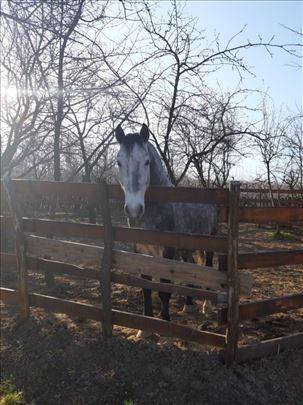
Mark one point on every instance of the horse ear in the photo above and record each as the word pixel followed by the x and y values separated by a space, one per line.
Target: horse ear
pixel 119 134
pixel 144 132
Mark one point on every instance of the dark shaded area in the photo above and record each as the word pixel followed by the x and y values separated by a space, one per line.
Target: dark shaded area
pixel 55 359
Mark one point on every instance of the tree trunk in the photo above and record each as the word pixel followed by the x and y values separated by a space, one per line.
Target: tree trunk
pixel 278 230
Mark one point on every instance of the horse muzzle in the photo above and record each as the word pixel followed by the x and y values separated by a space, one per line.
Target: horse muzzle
pixel 135 212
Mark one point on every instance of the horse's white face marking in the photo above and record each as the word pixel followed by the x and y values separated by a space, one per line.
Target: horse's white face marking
pixel 134 170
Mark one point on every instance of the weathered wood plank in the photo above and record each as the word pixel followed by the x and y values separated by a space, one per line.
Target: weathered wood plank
pixel 166 328
pixel 187 195
pixel 223 214
pixel 8 260
pixel 270 258
pixel 57 228
pixel 6 223
pixel 124 234
pixel 267 191
pixel 233 278
pixel 86 311
pixel 272 214
pixel 9 296
pixel 173 239
pixel 41 265
pixel 178 240
pixel 269 347
pixel 266 307
pixel 136 264
pixel 119 318
pixel 72 308
pixel 265 258
pixel 20 248
pixel 89 190
pixel 127 279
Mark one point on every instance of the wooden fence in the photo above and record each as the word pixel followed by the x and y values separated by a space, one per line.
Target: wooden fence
pixel 223 285
pixel 259 197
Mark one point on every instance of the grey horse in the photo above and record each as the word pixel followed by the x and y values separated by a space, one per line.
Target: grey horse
pixel 140 166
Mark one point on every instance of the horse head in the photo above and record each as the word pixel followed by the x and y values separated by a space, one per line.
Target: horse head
pixel 134 170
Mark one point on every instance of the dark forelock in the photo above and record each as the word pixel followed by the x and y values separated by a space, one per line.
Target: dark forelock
pixel 131 139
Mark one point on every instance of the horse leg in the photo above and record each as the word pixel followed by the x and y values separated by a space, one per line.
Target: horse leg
pixel 203 258
pixel 209 259
pixel 147 297
pixel 164 297
pixel 168 253
pixel 147 309
pixel 207 306
pixel 189 303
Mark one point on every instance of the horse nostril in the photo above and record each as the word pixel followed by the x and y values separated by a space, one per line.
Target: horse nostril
pixel 126 210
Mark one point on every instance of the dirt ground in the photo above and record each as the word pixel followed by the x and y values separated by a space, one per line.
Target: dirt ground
pixel 55 359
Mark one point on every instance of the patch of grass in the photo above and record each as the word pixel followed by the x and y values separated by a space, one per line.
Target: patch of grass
pixel 282 236
pixel 129 402
pixel 9 395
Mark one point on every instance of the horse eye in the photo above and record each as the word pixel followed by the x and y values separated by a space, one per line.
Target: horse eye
pixel 119 163
pixel 147 163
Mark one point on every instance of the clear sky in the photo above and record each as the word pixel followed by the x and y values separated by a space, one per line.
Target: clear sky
pixel 275 75
pixel 265 18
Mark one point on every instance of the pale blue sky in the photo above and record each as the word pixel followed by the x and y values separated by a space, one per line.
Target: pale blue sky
pixel 264 18
pixel 284 83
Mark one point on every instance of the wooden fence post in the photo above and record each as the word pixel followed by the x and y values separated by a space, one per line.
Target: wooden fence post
pixel 20 248
pixel 233 281
pixel 49 275
pixel 106 265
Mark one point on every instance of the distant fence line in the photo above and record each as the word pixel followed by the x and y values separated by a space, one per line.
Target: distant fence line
pixel 258 197
pixel 222 285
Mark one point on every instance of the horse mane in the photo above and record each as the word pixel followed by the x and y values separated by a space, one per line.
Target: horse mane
pixel 158 174
pixel 186 217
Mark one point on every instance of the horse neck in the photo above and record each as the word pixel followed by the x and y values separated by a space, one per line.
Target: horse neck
pixel 158 175
pixel 158 215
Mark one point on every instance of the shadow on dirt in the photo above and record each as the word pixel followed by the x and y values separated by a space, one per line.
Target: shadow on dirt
pixel 56 359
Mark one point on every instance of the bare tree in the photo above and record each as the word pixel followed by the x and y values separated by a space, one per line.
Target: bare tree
pixel 293 151
pixel 48 46
pixel 270 146
pixel 25 118
pixel 186 57
pixel 77 80
pixel 209 136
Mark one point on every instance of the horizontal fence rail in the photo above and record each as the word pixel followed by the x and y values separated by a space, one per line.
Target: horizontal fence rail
pixel 267 191
pixel 121 234
pixel 90 191
pixel 271 214
pixel 249 260
pixel 121 318
pixel 270 258
pixel 42 265
pixel 269 347
pixel 133 263
pixel 264 259
pixel 266 307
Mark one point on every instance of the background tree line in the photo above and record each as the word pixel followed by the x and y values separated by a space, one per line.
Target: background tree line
pixel 71 70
